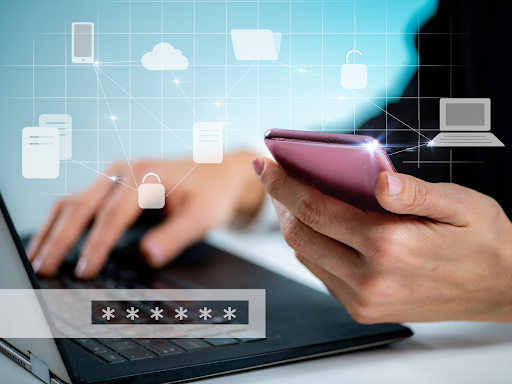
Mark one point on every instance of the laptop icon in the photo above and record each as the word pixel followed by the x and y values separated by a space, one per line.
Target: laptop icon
pixel 473 117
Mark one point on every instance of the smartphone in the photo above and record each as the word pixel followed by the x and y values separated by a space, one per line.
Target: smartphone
pixel 339 165
pixel 82 42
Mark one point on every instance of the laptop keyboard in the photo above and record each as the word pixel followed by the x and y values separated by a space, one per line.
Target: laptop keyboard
pixel 121 350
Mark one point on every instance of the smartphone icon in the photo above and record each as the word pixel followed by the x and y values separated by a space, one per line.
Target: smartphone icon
pixel 82 42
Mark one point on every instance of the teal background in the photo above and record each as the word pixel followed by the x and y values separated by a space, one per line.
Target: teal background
pixel 37 76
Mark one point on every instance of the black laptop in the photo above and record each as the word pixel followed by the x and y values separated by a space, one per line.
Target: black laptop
pixel 301 323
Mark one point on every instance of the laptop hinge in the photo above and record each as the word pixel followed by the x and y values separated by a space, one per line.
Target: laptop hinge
pixel 14 355
pixel 40 368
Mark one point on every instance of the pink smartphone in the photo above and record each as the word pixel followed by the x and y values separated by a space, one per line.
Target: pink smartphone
pixel 339 165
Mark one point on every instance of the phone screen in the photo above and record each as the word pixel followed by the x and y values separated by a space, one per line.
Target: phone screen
pixel 82 36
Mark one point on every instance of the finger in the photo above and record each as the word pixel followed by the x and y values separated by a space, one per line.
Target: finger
pixel 34 246
pixel 338 288
pixel 187 225
pixel 114 216
pixel 67 227
pixel 327 253
pixel 324 214
pixel 404 194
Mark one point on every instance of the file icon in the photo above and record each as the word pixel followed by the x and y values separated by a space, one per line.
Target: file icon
pixel 208 147
pixel 40 153
pixel 256 44
pixel 64 124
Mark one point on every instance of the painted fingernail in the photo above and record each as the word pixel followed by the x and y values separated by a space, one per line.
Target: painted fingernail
pixel 258 165
pixel 80 267
pixel 156 253
pixel 394 185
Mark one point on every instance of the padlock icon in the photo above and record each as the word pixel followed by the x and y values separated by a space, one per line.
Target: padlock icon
pixel 353 76
pixel 151 195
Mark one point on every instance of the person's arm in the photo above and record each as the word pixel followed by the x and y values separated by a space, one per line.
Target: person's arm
pixel 211 195
pixel 450 258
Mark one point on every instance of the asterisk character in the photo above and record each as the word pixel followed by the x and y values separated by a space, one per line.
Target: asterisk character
pixel 229 313
pixel 132 313
pixel 108 313
pixel 181 313
pixel 205 313
pixel 157 313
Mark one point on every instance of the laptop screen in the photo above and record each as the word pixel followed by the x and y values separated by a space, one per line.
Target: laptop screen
pixel 465 114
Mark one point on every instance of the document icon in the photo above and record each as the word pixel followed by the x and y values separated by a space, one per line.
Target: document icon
pixel 64 124
pixel 256 44
pixel 40 153
pixel 208 142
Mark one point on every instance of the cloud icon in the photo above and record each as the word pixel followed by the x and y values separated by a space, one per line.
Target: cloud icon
pixel 164 58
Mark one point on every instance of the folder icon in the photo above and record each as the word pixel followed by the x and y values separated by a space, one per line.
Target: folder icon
pixel 256 44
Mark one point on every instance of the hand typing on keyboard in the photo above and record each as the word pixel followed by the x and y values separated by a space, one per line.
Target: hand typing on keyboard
pixel 210 195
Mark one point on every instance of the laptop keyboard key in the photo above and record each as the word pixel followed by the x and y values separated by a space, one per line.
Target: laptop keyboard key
pixel 120 345
pixel 164 349
pixel 219 342
pixel 136 354
pixel 146 341
pixel 111 357
pixel 190 344
pixel 95 347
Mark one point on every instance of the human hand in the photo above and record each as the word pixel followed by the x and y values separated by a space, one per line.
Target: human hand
pixel 449 259
pixel 211 195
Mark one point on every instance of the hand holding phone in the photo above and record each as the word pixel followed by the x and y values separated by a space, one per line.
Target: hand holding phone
pixel 339 165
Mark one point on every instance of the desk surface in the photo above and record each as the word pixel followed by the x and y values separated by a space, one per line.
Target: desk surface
pixel 451 352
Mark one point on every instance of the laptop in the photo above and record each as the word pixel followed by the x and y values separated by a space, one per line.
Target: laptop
pixel 473 116
pixel 301 323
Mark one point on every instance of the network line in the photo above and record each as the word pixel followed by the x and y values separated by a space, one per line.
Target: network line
pixel 406 149
pixel 383 110
pixel 157 119
pixel 110 177
pixel 194 167
pixel 231 90
pixel 185 96
pixel 115 125
pixel 332 113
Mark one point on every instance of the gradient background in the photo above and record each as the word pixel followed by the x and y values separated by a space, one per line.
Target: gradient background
pixel 37 77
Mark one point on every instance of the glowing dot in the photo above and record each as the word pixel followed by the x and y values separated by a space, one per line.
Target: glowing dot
pixel 96 63
pixel 430 143
pixel 113 117
pixel 301 70
pixel 176 81
pixel 217 104
pixel 341 98
pixel 370 145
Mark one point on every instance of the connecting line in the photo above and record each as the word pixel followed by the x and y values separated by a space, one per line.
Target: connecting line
pixel 116 62
pixel 115 125
pixel 230 90
pixel 245 142
pixel 337 82
pixel 336 106
pixel 157 119
pixel 194 167
pixel 186 98
pixel 394 117
pixel 311 73
pixel 406 149
pixel 92 169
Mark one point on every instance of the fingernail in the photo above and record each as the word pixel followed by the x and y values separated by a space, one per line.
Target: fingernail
pixel 80 267
pixel 258 165
pixel 37 263
pixel 394 185
pixel 156 254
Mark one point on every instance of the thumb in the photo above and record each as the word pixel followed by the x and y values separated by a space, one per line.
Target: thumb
pixel 167 240
pixel 404 194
